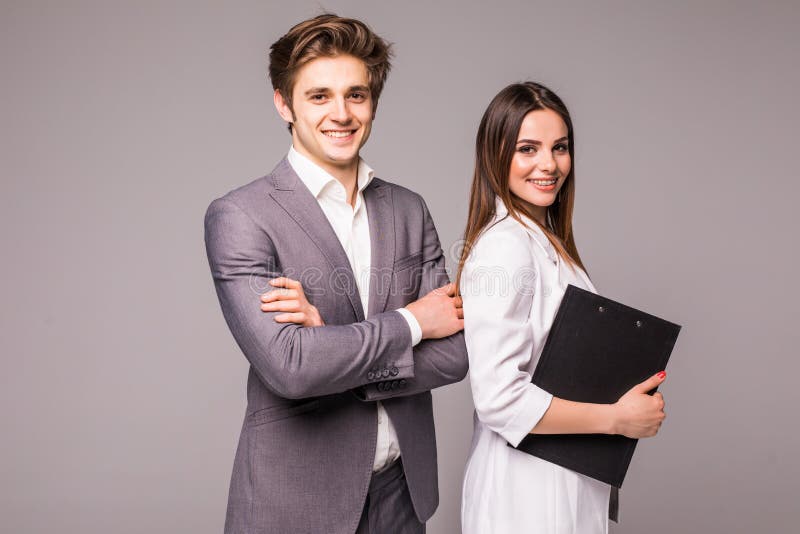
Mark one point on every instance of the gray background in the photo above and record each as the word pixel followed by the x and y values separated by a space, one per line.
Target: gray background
pixel 122 389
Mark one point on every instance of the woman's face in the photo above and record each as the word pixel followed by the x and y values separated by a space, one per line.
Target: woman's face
pixel 541 160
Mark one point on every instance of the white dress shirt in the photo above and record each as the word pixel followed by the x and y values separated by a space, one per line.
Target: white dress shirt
pixel 351 225
pixel 512 284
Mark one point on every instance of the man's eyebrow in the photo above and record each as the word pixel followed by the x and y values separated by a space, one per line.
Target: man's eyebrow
pixel 326 90
pixel 317 90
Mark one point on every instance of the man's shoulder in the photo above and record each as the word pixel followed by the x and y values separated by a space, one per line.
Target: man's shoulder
pixel 400 194
pixel 253 193
pixel 244 194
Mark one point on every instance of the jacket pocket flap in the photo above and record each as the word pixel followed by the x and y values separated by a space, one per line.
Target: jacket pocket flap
pixel 276 413
pixel 408 261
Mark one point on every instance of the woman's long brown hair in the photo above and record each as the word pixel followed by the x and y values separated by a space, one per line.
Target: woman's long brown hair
pixel 494 149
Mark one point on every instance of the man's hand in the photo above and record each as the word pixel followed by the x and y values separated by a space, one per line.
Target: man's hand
pixel 439 313
pixel 288 297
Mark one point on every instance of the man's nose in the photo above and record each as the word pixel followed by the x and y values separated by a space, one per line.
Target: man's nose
pixel 341 111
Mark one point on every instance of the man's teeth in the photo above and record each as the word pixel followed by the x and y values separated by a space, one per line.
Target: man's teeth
pixel 336 133
pixel 543 182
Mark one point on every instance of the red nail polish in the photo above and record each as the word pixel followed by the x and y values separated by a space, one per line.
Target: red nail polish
pixel 662 374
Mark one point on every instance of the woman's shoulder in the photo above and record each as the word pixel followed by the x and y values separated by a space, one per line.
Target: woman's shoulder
pixel 502 242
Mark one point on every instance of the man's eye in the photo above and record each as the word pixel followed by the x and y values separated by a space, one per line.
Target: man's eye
pixel 358 96
pixel 317 98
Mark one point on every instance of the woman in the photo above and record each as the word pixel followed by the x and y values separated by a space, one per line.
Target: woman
pixel 519 256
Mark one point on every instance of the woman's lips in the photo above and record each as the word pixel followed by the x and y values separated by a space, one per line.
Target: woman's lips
pixel 543 184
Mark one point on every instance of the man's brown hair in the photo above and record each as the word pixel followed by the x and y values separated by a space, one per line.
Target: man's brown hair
pixel 328 35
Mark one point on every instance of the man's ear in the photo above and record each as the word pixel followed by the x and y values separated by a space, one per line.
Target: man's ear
pixel 283 108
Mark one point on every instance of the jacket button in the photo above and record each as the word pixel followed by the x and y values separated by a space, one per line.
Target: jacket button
pixel 370 375
pixel 394 371
pixel 394 384
pixel 385 373
pixel 403 383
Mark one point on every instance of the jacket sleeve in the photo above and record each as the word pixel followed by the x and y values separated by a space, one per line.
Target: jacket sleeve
pixel 437 362
pixel 498 292
pixel 292 361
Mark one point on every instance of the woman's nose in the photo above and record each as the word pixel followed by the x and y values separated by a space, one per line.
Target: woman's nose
pixel 546 162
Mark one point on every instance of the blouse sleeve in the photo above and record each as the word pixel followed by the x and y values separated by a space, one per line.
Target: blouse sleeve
pixel 497 287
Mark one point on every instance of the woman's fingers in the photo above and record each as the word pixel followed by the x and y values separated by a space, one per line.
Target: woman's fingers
pixel 651 383
pixel 660 398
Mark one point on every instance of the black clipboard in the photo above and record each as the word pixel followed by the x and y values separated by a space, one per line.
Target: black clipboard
pixel 596 351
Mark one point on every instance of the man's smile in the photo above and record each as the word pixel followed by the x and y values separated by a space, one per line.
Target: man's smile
pixel 338 133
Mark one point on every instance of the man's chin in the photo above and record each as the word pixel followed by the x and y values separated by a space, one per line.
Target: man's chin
pixel 342 159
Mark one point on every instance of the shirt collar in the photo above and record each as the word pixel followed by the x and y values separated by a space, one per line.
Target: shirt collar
pixel 533 229
pixel 316 179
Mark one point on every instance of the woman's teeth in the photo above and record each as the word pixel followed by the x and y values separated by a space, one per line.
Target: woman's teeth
pixel 543 182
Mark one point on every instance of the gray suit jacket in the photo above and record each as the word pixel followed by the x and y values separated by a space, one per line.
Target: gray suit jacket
pixel 308 439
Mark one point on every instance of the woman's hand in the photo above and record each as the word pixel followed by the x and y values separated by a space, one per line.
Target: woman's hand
pixel 637 414
pixel 288 297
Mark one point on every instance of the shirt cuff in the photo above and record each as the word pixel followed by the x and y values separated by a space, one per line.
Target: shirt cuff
pixel 413 325
pixel 532 408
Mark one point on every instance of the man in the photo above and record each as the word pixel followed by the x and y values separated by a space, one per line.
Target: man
pixel 338 435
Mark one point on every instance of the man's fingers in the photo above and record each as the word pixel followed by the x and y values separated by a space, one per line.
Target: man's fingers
pixel 285 282
pixel 449 289
pixel 298 318
pixel 281 306
pixel 280 294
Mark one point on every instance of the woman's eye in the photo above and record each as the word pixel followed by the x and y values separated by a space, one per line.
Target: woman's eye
pixel 561 148
pixel 527 149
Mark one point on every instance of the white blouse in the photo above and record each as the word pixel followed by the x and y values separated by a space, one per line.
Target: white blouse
pixel 512 284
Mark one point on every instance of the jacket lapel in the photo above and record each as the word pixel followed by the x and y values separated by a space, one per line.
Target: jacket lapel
pixel 380 211
pixel 298 202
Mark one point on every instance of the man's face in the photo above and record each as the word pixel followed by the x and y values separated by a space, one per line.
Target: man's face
pixel 332 108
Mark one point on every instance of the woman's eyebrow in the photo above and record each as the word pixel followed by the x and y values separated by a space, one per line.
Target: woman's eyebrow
pixel 535 142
